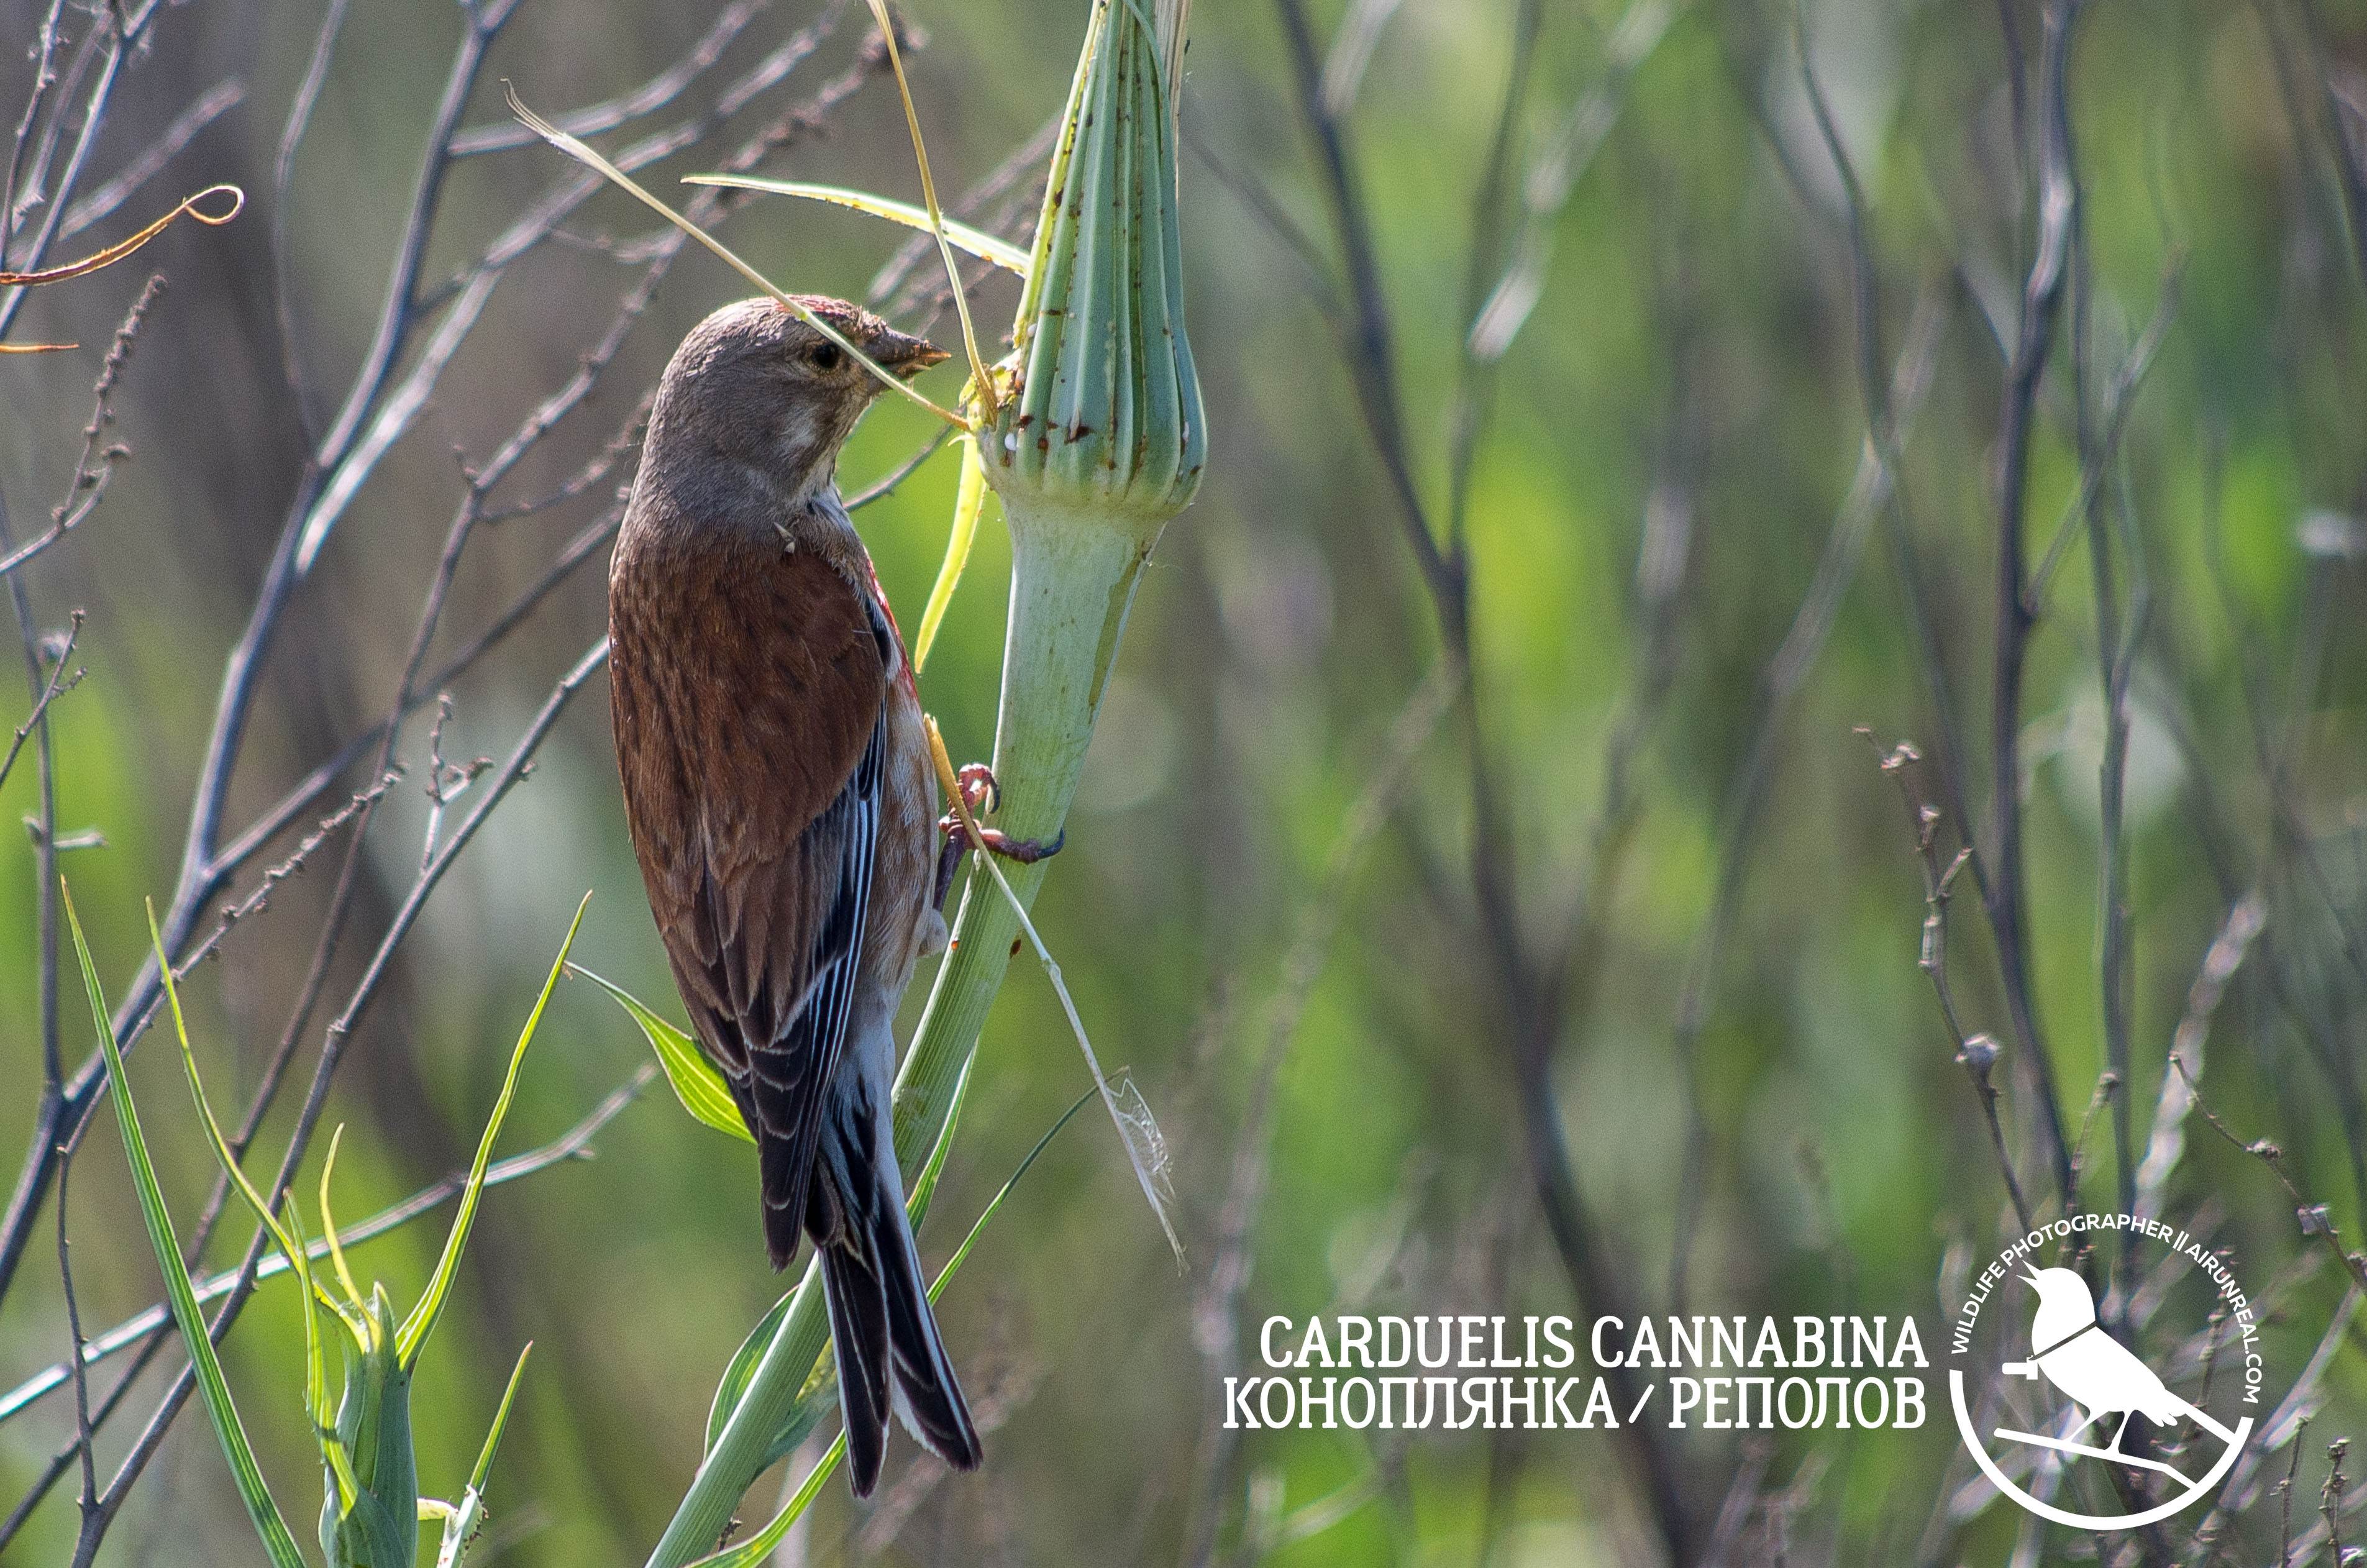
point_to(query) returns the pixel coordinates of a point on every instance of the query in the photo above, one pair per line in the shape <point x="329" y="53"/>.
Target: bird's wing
<point x="748" y="697"/>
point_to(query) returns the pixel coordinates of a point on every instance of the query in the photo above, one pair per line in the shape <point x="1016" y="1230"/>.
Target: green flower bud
<point x="380" y="1524"/>
<point x="1104" y="412"/>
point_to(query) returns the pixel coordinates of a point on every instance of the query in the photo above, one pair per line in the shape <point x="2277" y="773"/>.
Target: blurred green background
<point x="1666" y="452"/>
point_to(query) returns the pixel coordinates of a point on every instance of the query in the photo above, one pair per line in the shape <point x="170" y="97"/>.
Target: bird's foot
<point x="981" y="793"/>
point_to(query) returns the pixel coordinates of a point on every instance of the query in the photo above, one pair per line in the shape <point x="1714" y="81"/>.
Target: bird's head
<point x="2062" y="1290"/>
<point x="754" y="383"/>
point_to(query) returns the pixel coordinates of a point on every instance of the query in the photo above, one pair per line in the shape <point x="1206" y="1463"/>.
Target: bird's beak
<point x="905" y="356"/>
<point x="2031" y="1275"/>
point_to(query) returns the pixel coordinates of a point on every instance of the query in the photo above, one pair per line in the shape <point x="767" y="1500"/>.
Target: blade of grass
<point x="961" y="1253"/>
<point x="501" y="1418"/>
<point x="1146" y="1149"/>
<point x="252" y="1490"/>
<point x="696" y="1082"/>
<point x="752" y="1553"/>
<point x="924" y="1185"/>
<point x="223" y="1152"/>
<point x="461" y="1520"/>
<point x="422" y="1322"/>
<point x="741" y="1371"/>
<point x="969" y="502"/>
<point x="583" y="153"/>
<point x="986" y="247"/>
<point x="286" y="1236"/>
<point x="317" y="1408"/>
<point x="354" y="1311"/>
<point x="978" y="377"/>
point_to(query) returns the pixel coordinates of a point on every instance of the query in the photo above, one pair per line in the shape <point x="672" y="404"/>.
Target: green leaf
<point x="752" y="1553"/>
<point x="696" y="1082"/>
<point x="265" y="1513"/>
<point x="977" y="241"/>
<point x="741" y="1371"/>
<point x="223" y="1154"/>
<point x="412" y="1335"/>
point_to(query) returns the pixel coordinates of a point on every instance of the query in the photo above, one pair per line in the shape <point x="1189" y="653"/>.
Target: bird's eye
<point x="825" y="357"/>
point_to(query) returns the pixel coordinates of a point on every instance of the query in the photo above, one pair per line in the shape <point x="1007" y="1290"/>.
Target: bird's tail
<point x="890" y="1353"/>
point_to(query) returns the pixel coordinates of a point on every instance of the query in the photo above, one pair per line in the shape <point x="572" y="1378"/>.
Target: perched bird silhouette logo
<point x="2071" y="1350"/>
<point x="2094" y="1371"/>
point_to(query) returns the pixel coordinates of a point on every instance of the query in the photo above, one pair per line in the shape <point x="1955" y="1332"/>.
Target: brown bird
<point x="782" y="806"/>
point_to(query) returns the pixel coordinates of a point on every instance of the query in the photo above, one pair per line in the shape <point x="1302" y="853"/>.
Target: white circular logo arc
<point x="2235" y="1445"/>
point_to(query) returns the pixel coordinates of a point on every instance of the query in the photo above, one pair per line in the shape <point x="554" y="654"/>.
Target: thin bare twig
<point x="100" y="457"/>
<point x="2105" y="449"/>
<point x="1786" y="670"/>
<point x="44" y="691"/>
<point x="283" y="179"/>
<point x="1371" y="344"/>
<point x="1975" y="1053"/>
<point x="113" y="36"/>
<point x="2313" y="1219"/>
<point x="2166" y="1140"/>
<point x="45" y="79"/>
<point x="58" y="685"/>
<point x="883" y="487"/>
<point x="1875" y="394"/>
<point x="2042" y="295"/>
<point x="657" y="93"/>
<point x="597" y="468"/>
<point x="205" y="863"/>
<point x="81" y="1443"/>
<point x="1495" y="318"/>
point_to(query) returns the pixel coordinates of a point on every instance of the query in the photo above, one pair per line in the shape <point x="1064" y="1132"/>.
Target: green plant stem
<point x="1072" y="580"/>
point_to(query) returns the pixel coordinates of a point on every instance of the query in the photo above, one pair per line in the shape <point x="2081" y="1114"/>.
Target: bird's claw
<point x="981" y="793"/>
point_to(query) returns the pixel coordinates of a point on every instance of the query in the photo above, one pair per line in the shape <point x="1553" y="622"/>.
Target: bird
<point x="2095" y="1371"/>
<point x="782" y="802"/>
